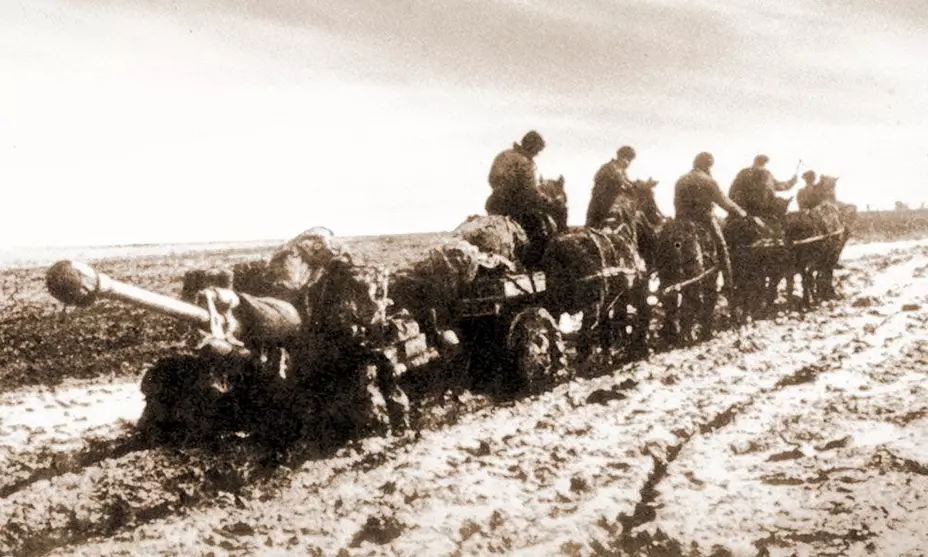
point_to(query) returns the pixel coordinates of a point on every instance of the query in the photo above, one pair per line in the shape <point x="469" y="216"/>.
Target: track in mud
<point x="609" y="465"/>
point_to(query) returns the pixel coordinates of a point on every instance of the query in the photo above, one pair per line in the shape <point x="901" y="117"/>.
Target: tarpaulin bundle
<point x="494" y="234"/>
<point x="436" y="280"/>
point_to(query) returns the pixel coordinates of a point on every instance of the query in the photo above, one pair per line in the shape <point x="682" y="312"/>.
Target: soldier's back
<point x="507" y="167"/>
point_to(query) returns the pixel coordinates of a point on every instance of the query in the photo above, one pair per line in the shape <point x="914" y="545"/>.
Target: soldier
<point x="754" y="189"/>
<point x="809" y="195"/>
<point x="516" y="194"/>
<point x="694" y="196"/>
<point x="610" y="180"/>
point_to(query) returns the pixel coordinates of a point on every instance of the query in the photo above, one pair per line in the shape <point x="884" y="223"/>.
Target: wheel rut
<point x="567" y="456"/>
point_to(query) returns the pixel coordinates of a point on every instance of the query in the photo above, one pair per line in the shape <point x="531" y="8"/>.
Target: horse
<point x="847" y="213"/>
<point x="688" y="267"/>
<point x="760" y="258"/>
<point x="817" y="236"/>
<point x="601" y="272"/>
<point x="554" y="191"/>
<point x="636" y="208"/>
<point x="598" y="272"/>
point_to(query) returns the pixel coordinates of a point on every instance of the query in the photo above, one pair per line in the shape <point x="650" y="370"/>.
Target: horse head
<point x="645" y="203"/>
<point x="554" y="190"/>
<point x="827" y="186"/>
<point x="635" y="208"/>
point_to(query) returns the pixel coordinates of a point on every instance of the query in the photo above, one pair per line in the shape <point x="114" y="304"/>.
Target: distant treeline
<point x="882" y="226"/>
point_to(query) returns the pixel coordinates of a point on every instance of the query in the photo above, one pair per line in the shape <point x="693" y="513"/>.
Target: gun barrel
<point x="77" y="284"/>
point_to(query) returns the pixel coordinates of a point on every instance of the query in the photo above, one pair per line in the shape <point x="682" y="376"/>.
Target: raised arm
<point x="783" y="186"/>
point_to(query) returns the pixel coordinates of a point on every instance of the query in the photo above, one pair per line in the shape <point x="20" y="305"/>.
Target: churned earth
<point x="800" y="435"/>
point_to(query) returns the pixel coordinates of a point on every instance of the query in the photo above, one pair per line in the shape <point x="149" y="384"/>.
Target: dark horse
<point x="603" y="272"/>
<point x="688" y="268"/>
<point x="760" y="259"/>
<point x="543" y="226"/>
<point x="817" y="237"/>
<point x="847" y="213"/>
<point x="598" y="272"/>
<point x="636" y="208"/>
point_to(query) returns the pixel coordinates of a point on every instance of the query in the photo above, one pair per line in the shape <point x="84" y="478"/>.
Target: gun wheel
<point x="536" y="349"/>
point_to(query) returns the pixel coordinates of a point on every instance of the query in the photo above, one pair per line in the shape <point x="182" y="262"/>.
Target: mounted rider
<point x="754" y="189"/>
<point x="611" y="179"/>
<point x="810" y="195"/>
<point x="516" y="194"/>
<point x="694" y="196"/>
<point x="813" y="194"/>
<point x="617" y="200"/>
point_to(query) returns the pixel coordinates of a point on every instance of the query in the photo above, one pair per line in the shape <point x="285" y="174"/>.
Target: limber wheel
<point x="535" y="349"/>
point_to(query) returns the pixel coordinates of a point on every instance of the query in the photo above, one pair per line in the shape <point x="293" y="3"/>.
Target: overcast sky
<point x="203" y="120"/>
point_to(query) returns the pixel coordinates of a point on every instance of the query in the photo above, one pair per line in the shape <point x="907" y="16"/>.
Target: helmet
<point x="761" y="159"/>
<point x="533" y="141"/>
<point x="625" y="152"/>
<point x="703" y="161"/>
<point x="808" y="175"/>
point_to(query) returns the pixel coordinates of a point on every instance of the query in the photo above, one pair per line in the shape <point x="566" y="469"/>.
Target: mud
<point x="799" y="435"/>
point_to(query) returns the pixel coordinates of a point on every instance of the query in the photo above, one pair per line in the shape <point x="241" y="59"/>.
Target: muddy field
<point x="800" y="435"/>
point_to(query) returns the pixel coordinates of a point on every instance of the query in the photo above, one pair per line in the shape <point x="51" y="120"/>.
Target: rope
<point x="689" y="282"/>
<point x="602" y="265"/>
<point x="819" y="238"/>
<point x="611" y="271"/>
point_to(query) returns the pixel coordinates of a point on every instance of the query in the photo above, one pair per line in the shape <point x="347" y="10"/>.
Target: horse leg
<point x="791" y="270"/>
<point x="808" y="286"/>
<point x="670" y="330"/>
<point x="689" y="312"/>
<point x="829" y="272"/>
<point x="707" y="311"/>
<point x="638" y="347"/>
<point x="827" y="283"/>
<point x="585" y="337"/>
<point x="747" y="284"/>
<point x="773" y="287"/>
<point x="608" y="333"/>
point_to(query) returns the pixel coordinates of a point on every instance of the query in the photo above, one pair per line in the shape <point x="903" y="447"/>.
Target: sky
<point x="233" y="120"/>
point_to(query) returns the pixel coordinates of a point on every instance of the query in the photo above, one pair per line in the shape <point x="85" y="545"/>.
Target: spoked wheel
<point x="536" y="349"/>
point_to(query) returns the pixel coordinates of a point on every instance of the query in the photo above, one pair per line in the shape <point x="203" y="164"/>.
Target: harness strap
<point x="689" y="282"/>
<point x="819" y="238"/>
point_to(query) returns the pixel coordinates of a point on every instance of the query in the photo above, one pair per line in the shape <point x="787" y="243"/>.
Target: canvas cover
<point x="494" y="234"/>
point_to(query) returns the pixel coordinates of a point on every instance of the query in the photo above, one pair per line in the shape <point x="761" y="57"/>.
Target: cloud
<point x="340" y="108"/>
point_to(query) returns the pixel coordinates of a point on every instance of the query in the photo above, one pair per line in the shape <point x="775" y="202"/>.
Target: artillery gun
<point x="321" y="358"/>
<point x="308" y="343"/>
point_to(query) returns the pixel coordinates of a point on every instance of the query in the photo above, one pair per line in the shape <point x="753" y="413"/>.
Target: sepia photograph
<point x="601" y="278"/>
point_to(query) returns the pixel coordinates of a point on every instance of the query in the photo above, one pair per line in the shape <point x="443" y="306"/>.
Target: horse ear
<point x="560" y="179"/>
